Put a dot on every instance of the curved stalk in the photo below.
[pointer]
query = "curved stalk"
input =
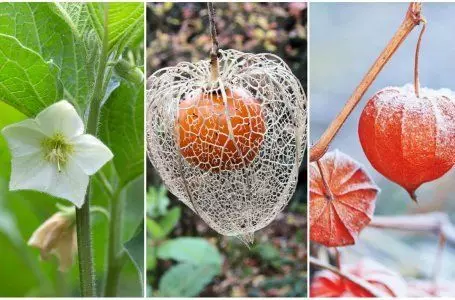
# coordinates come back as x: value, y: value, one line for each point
x: 416, y: 59
x: 412, y: 19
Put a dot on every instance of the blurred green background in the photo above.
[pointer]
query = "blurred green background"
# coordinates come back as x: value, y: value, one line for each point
x: 184, y: 256
x: 39, y: 29
x: 346, y: 38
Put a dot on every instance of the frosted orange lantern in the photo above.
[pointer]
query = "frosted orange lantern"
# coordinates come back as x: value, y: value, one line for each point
x: 409, y: 139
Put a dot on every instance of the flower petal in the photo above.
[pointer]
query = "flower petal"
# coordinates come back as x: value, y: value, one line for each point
x: 90, y: 153
x: 70, y: 184
x: 31, y: 172
x: 60, y: 117
x: 23, y: 138
x: 65, y: 249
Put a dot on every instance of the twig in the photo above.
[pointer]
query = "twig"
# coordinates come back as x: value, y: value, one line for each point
x: 416, y: 58
x: 215, y: 45
x: 359, y: 281
x: 412, y: 19
x: 438, y: 223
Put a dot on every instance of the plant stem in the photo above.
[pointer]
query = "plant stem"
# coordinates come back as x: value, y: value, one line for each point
x: 359, y: 281
x: 83, y: 226
x: 84, y: 247
x: 416, y: 59
x: 215, y: 46
x: 116, y: 255
x: 411, y: 20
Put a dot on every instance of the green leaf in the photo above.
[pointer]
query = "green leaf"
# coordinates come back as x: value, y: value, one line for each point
x: 135, y: 250
x: 123, y: 21
x: 27, y: 82
x: 40, y: 28
x: 169, y: 221
x: 122, y: 129
x: 186, y: 280
x: 155, y: 230
x: 76, y: 15
x: 151, y: 258
x: 133, y: 211
x: 159, y: 229
x: 192, y: 250
x: 157, y: 201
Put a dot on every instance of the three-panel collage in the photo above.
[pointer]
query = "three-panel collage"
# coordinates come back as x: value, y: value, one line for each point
x: 227, y: 149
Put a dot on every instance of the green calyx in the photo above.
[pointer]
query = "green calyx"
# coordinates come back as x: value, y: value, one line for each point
x: 57, y: 150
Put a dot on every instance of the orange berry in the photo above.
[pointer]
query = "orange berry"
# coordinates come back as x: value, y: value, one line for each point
x: 204, y: 122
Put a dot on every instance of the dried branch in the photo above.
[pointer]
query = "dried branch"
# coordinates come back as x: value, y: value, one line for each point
x: 437, y: 223
x: 412, y: 19
x: 359, y: 281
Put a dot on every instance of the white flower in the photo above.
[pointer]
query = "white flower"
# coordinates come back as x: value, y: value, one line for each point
x: 52, y: 154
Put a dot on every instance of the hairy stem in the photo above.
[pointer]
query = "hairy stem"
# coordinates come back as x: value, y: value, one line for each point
x: 83, y: 225
x: 116, y: 254
x: 359, y: 281
x: 411, y: 20
x: 215, y: 46
x: 84, y: 247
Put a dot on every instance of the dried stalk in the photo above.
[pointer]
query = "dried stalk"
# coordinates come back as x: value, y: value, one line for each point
x: 215, y: 45
x: 416, y: 59
x: 438, y: 223
x: 359, y: 281
x: 412, y: 19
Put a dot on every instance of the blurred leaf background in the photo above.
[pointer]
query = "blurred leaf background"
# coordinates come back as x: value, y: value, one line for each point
x: 184, y: 256
x: 61, y: 46
x: 346, y: 38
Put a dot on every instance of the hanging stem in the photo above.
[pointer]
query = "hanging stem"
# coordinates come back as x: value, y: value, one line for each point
x: 83, y: 225
x: 412, y: 19
x: 215, y: 46
x: 416, y: 58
